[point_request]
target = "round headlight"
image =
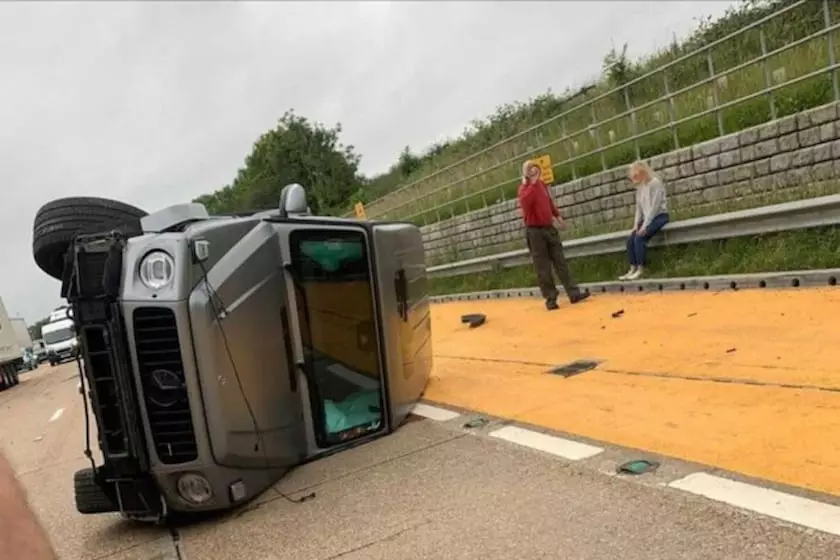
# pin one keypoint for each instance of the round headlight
(157, 270)
(194, 488)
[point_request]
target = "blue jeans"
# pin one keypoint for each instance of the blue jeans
(637, 244)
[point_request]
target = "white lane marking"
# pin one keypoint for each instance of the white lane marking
(801, 511)
(434, 413)
(56, 415)
(566, 448)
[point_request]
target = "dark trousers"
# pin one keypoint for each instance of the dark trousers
(637, 244)
(547, 253)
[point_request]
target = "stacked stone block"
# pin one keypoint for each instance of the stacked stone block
(789, 153)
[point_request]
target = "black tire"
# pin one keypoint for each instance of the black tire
(90, 496)
(59, 222)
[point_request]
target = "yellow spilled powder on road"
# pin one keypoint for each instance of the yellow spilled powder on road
(638, 397)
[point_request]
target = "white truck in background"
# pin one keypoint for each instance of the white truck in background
(59, 336)
(22, 332)
(11, 358)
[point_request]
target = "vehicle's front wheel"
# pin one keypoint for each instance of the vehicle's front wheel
(59, 222)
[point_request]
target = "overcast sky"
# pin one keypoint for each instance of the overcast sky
(155, 103)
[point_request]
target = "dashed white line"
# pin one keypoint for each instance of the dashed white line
(56, 415)
(434, 413)
(787, 507)
(566, 448)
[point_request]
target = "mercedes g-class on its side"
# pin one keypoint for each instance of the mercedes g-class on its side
(218, 352)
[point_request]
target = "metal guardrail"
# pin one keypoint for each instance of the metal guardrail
(472, 166)
(787, 216)
(827, 277)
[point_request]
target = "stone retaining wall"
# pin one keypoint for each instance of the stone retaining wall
(774, 158)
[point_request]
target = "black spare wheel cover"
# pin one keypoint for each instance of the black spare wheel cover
(58, 223)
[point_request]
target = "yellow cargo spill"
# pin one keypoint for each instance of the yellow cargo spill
(640, 395)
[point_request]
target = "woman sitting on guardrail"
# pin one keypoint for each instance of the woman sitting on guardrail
(651, 216)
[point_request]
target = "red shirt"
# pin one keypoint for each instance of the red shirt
(538, 209)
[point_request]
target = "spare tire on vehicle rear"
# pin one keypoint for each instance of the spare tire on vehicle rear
(59, 222)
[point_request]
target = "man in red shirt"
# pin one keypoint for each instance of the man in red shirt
(540, 215)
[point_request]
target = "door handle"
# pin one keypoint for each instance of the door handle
(401, 289)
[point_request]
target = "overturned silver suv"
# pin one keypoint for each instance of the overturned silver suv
(219, 352)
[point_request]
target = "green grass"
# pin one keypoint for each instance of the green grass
(794, 250)
(493, 176)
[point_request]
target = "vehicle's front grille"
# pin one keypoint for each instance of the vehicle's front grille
(164, 385)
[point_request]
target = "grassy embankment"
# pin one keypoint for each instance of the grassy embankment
(493, 175)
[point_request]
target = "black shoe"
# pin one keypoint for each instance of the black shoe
(579, 297)
(551, 304)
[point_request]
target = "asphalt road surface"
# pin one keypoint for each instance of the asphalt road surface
(435, 489)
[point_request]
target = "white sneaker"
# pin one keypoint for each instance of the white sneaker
(628, 274)
(635, 275)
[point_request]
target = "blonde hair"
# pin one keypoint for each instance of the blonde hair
(640, 165)
(526, 166)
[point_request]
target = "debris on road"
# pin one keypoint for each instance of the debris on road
(617, 314)
(730, 350)
(476, 423)
(474, 319)
(637, 466)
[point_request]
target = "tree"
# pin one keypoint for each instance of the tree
(617, 67)
(408, 162)
(295, 151)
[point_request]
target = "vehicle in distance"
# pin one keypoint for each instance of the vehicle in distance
(11, 356)
(59, 335)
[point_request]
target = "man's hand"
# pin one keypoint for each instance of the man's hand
(641, 232)
(560, 222)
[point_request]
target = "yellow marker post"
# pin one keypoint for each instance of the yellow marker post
(547, 172)
(360, 211)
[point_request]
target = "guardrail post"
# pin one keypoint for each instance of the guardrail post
(832, 59)
(768, 82)
(594, 129)
(566, 144)
(632, 122)
(672, 111)
(715, 98)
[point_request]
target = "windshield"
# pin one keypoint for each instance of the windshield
(60, 335)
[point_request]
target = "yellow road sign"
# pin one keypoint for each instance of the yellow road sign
(547, 172)
(360, 211)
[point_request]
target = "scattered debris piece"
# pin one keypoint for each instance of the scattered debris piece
(729, 351)
(305, 498)
(617, 314)
(692, 314)
(638, 466)
(574, 368)
(474, 319)
(479, 422)
(39, 438)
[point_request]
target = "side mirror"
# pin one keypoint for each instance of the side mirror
(293, 201)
